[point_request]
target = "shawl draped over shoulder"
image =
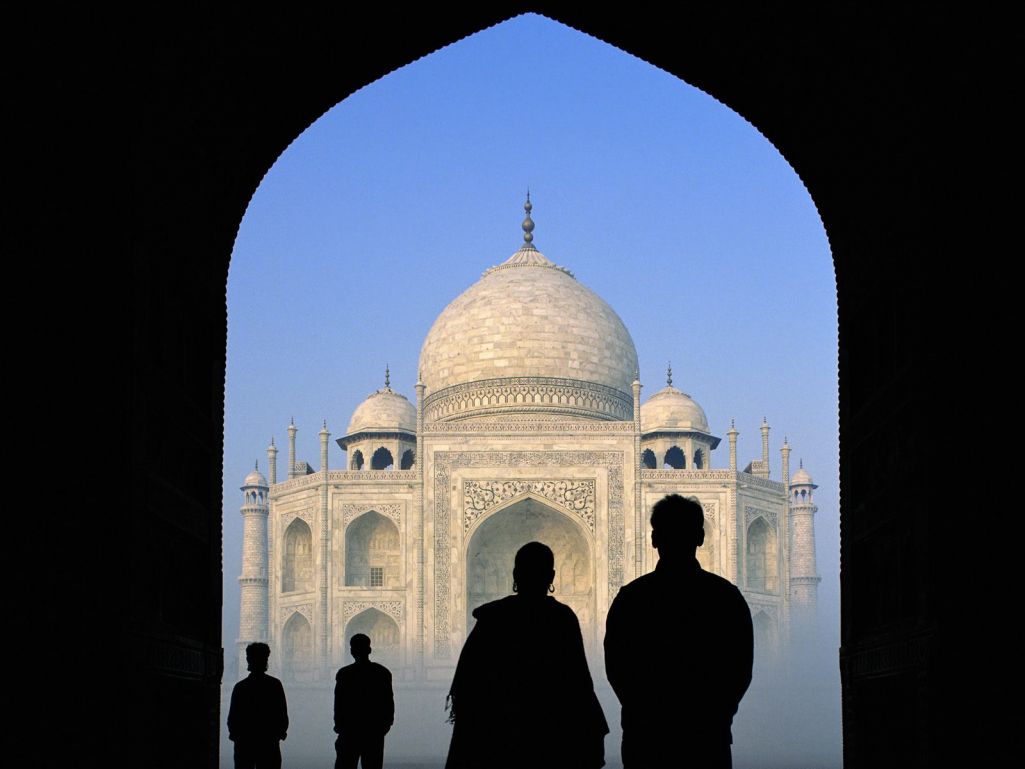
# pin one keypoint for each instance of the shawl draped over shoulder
(522, 693)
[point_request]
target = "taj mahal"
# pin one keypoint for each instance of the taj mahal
(526, 423)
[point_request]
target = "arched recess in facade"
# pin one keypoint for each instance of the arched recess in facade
(383, 632)
(297, 558)
(372, 552)
(356, 463)
(382, 459)
(762, 560)
(491, 550)
(297, 651)
(407, 459)
(648, 459)
(675, 459)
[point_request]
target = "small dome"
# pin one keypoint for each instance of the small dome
(801, 478)
(672, 409)
(255, 478)
(383, 411)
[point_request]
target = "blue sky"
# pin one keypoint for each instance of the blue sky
(662, 200)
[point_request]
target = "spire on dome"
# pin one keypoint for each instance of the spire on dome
(387, 377)
(669, 374)
(528, 224)
(256, 465)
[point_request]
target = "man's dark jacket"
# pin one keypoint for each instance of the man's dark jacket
(258, 712)
(364, 704)
(678, 653)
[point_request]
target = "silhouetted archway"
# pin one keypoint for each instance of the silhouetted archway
(382, 460)
(675, 458)
(648, 459)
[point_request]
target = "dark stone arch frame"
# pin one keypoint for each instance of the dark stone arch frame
(860, 104)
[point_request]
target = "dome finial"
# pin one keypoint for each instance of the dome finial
(528, 223)
(669, 374)
(256, 465)
(802, 463)
(387, 376)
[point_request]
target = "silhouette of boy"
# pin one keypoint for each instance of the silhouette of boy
(258, 715)
(678, 651)
(364, 708)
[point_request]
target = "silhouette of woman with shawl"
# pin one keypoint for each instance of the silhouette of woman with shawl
(522, 695)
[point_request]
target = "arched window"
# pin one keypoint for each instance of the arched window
(297, 558)
(699, 460)
(372, 552)
(357, 460)
(382, 460)
(407, 459)
(675, 459)
(648, 459)
(297, 638)
(762, 565)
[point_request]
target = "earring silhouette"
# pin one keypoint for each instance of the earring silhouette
(551, 588)
(516, 587)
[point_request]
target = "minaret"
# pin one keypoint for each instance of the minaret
(292, 429)
(765, 449)
(640, 519)
(325, 548)
(252, 624)
(421, 566)
(272, 462)
(804, 577)
(732, 434)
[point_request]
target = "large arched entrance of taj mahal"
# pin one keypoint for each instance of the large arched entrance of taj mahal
(491, 549)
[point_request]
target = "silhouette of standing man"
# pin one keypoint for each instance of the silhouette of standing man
(258, 715)
(364, 708)
(678, 651)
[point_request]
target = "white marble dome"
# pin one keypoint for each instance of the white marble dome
(672, 409)
(801, 478)
(383, 411)
(528, 318)
(255, 478)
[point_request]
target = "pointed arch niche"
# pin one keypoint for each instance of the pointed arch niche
(492, 547)
(384, 635)
(297, 558)
(372, 552)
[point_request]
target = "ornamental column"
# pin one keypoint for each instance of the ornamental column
(732, 435)
(252, 626)
(325, 549)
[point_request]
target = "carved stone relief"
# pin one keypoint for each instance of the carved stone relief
(351, 608)
(351, 511)
(750, 513)
(285, 612)
(576, 496)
